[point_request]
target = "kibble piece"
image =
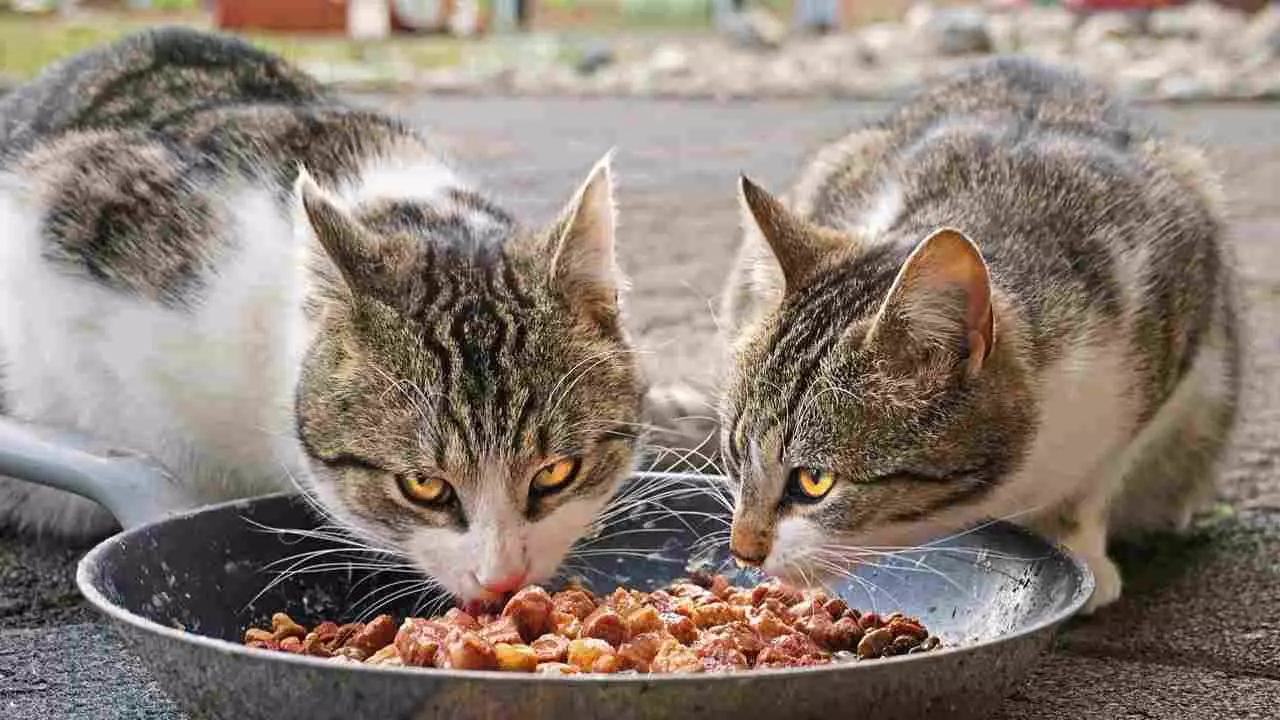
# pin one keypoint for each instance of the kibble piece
(715, 613)
(573, 602)
(846, 633)
(469, 651)
(679, 627)
(326, 631)
(371, 638)
(531, 609)
(354, 653)
(605, 624)
(639, 652)
(460, 618)
(874, 643)
(502, 630)
(909, 627)
(344, 634)
(904, 643)
(584, 652)
(314, 645)
(283, 626)
(608, 664)
(386, 656)
(253, 635)
(643, 620)
(673, 657)
(515, 658)
(291, 644)
(551, 648)
(836, 608)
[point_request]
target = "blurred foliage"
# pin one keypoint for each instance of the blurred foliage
(28, 43)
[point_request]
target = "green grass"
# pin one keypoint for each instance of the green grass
(29, 43)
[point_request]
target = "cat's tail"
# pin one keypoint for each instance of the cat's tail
(44, 511)
(684, 430)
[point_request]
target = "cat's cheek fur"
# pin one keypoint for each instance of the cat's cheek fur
(797, 542)
(500, 544)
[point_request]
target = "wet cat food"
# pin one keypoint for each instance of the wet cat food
(702, 624)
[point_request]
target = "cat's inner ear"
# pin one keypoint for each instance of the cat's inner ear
(584, 268)
(941, 301)
(352, 248)
(799, 246)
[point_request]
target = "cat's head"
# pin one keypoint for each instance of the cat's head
(880, 402)
(469, 398)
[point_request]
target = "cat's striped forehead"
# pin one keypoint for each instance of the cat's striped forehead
(808, 338)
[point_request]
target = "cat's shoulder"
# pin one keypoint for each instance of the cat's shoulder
(147, 80)
(126, 210)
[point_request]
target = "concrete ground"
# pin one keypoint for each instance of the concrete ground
(1197, 634)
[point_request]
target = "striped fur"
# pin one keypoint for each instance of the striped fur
(173, 283)
(1092, 402)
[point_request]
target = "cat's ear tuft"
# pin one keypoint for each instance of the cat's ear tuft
(941, 301)
(343, 239)
(799, 246)
(584, 266)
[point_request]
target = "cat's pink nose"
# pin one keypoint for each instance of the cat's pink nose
(507, 584)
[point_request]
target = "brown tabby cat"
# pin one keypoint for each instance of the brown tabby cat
(452, 386)
(1005, 300)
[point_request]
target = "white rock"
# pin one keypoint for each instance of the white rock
(669, 60)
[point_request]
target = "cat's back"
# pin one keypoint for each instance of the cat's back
(1094, 224)
(151, 80)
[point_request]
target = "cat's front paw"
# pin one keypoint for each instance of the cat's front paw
(1106, 583)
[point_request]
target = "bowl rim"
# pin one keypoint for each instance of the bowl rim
(88, 572)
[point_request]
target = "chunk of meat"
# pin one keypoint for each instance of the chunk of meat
(639, 652)
(573, 602)
(380, 632)
(469, 651)
(643, 620)
(515, 658)
(551, 648)
(605, 624)
(531, 609)
(785, 594)
(715, 613)
(767, 624)
(459, 618)
(734, 636)
(584, 652)
(566, 625)
(418, 641)
(502, 630)
(679, 627)
(673, 657)
(724, 660)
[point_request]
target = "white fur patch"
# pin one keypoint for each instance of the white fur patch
(206, 390)
(419, 178)
(881, 214)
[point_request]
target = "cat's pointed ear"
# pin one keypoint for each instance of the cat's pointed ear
(941, 302)
(584, 268)
(799, 246)
(348, 244)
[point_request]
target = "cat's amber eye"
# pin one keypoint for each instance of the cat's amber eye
(556, 475)
(424, 490)
(811, 483)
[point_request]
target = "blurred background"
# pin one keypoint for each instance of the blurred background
(865, 49)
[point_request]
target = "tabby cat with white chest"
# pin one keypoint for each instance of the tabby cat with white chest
(207, 259)
(1006, 300)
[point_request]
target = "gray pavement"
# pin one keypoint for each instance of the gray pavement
(1197, 634)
